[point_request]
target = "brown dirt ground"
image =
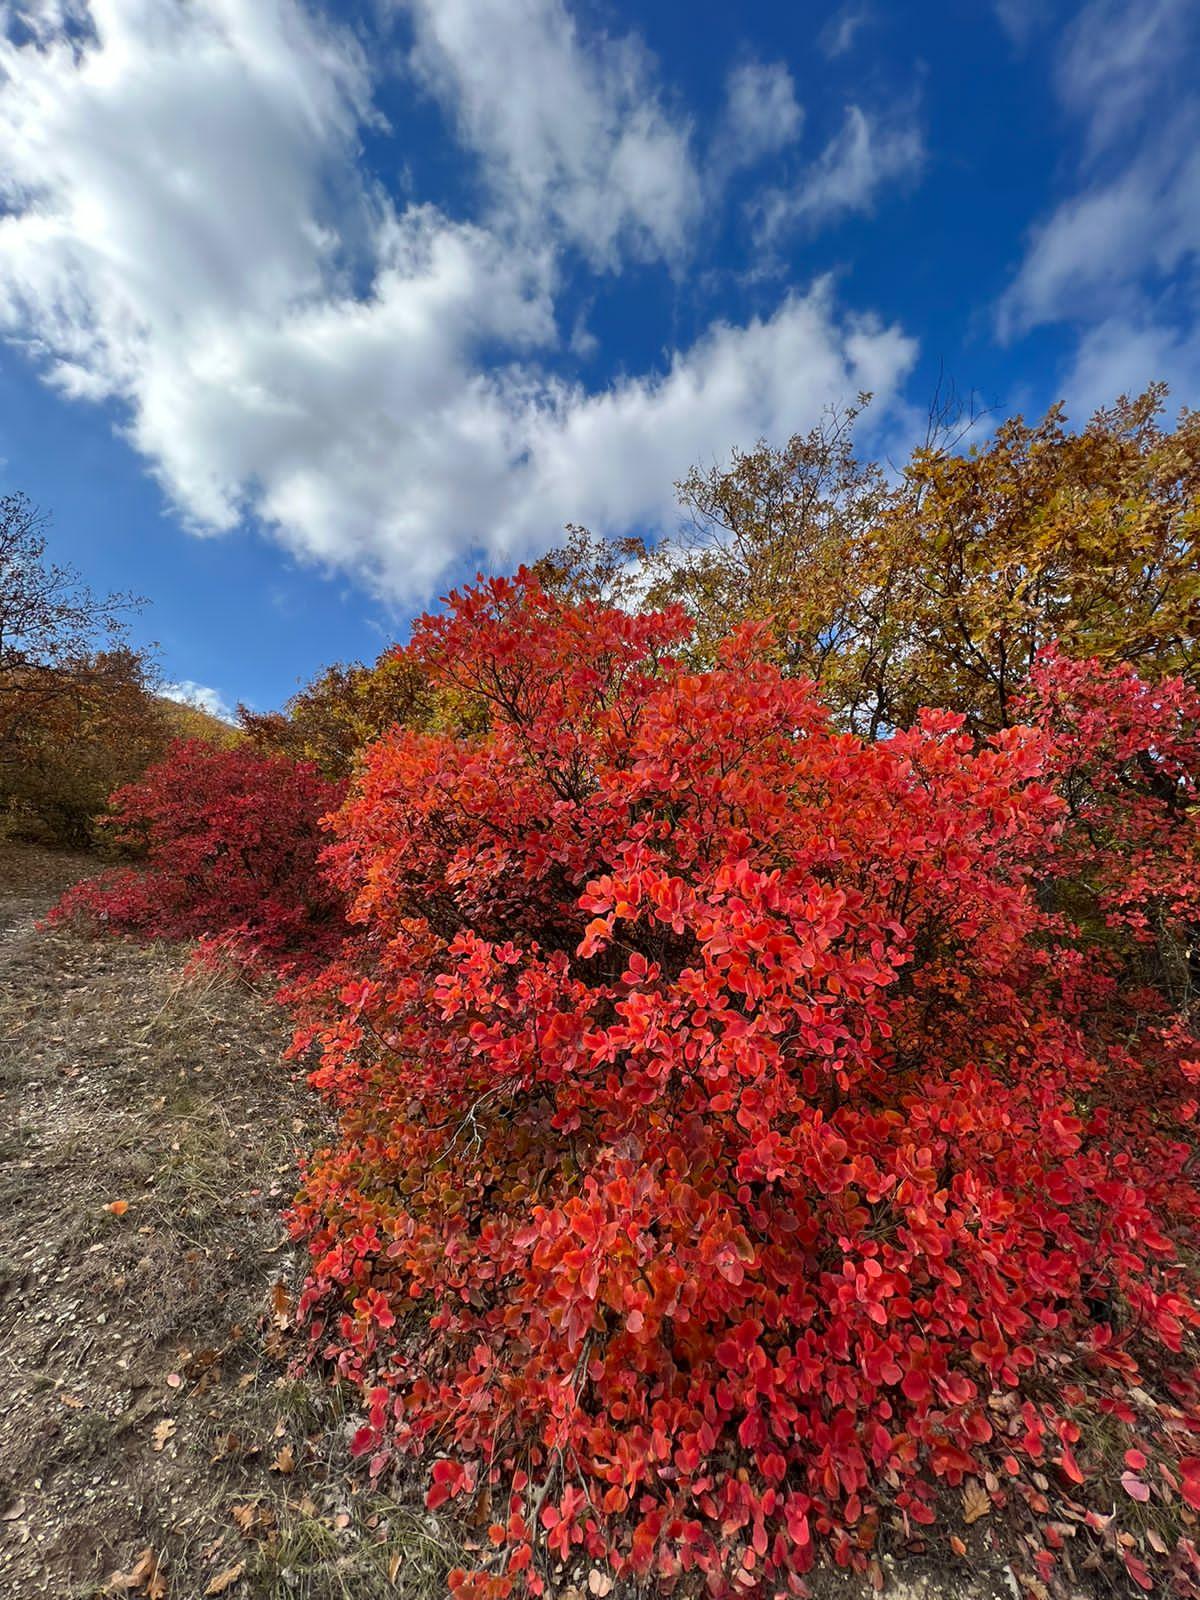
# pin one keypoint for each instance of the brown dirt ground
(152, 1442)
(148, 1142)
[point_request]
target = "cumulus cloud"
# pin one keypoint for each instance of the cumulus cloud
(863, 157)
(1117, 257)
(186, 232)
(735, 385)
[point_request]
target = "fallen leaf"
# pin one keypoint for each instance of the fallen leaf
(72, 1402)
(245, 1516)
(957, 1545)
(227, 1579)
(275, 1345)
(975, 1502)
(394, 1566)
(163, 1431)
(599, 1583)
(17, 1509)
(117, 1207)
(144, 1575)
(1138, 1571)
(1134, 1487)
(285, 1461)
(281, 1303)
(174, 1381)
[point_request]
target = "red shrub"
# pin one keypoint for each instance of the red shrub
(741, 1140)
(230, 840)
(1125, 758)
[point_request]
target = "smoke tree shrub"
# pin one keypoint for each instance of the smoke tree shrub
(1125, 757)
(229, 841)
(743, 1138)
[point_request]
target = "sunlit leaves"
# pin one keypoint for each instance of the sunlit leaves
(746, 1136)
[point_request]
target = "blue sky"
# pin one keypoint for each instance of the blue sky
(309, 311)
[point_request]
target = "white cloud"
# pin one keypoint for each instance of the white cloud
(1115, 55)
(568, 129)
(1118, 257)
(185, 232)
(199, 696)
(1122, 355)
(862, 157)
(1101, 242)
(617, 454)
(839, 33)
(762, 114)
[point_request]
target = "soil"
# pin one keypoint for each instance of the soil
(151, 1440)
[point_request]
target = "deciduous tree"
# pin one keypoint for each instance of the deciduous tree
(939, 586)
(50, 622)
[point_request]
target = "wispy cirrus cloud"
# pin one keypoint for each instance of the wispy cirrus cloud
(868, 155)
(762, 115)
(1117, 258)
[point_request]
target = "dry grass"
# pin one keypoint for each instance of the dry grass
(148, 1144)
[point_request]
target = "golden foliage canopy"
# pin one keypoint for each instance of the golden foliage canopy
(938, 584)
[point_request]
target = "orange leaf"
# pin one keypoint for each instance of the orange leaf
(227, 1579)
(975, 1502)
(144, 1575)
(281, 1303)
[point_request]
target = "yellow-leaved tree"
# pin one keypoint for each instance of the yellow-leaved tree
(936, 585)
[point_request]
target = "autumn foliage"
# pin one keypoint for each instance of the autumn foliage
(768, 1108)
(751, 1132)
(940, 584)
(227, 843)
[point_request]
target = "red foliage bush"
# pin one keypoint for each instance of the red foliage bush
(1125, 754)
(748, 1131)
(230, 841)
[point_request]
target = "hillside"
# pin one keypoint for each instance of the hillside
(191, 722)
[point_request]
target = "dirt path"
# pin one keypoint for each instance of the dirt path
(150, 1440)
